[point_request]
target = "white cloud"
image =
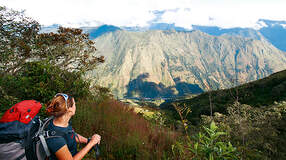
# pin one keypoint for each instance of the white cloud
(227, 15)
(184, 13)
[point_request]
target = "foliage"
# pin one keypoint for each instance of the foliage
(101, 93)
(125, 135)
(257, 132)
(263, 92)
(207, 144)
(18, 38)
(256, 125)
(21, 42)
(37, 65)
(157, 118)
(70, 49)
(41, 81)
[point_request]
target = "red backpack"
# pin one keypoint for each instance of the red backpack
(22, 134)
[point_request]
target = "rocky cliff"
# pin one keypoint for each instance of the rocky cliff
(170, 63)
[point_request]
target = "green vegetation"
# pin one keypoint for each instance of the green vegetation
(41, 81)
(263, 92)
(125, 135)
(258, 133)
(207, 145)
(253, 115)
(246, 122)
(37, 65)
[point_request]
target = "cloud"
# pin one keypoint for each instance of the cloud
(183, 13)
(225, 14)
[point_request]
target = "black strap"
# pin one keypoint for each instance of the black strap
(53, 133)
(21, 156)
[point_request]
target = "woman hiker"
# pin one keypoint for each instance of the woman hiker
(63, 107)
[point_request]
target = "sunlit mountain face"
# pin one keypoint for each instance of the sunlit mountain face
(158, 63)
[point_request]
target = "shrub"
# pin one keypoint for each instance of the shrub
(258, 133)
(207, 145)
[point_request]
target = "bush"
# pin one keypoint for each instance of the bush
(207, 145)
(258, 133)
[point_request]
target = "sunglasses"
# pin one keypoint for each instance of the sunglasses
(66, 97)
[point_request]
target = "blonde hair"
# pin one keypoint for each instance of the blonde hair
(58, 106)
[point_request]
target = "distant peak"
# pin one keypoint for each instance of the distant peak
(270, 23)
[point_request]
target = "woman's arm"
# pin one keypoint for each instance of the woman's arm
(80, 139)
(64, 153)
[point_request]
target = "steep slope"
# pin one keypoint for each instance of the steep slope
(170, 63)
(275, 32)
(259, 93)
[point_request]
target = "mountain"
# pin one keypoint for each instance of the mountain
(95, 32)
(217, 31)
(156, 64)
(51, 28)
(156, 26)
(274, 32)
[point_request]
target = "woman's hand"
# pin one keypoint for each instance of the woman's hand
(95, 139)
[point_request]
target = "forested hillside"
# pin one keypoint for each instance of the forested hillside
(253, 113)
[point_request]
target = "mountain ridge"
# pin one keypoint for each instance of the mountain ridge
(195, 58)
(271, 30)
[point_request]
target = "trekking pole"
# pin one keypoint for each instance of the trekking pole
(96, 149)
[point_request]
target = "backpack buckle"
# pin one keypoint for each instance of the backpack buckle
(53, 133)
(50, 133)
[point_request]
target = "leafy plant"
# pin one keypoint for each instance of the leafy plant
(209, 146)
(258, 133)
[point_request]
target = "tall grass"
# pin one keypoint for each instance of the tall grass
(125, 135)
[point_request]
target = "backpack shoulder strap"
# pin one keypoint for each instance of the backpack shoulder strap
(52, 134)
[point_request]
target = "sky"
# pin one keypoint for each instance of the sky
(183, 13)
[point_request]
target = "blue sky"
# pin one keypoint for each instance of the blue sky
(184, 13)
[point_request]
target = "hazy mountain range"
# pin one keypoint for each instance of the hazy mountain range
(163, 60)
(273, 31)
